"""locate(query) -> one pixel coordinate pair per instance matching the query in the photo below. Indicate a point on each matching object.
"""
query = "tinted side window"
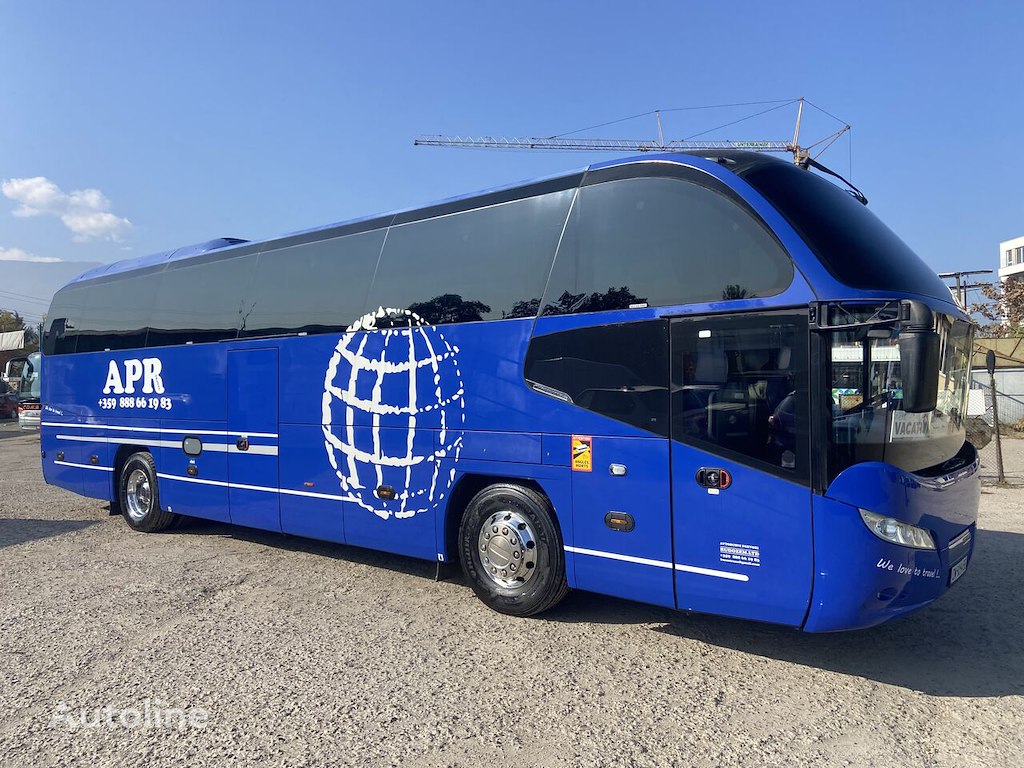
(316, 287)
(116, 314)
(739, 388)
(483, 264)
(60, 336)
(200, 302)
(619, 371)
(661, 241)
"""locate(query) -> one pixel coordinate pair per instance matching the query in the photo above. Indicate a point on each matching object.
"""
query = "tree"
(13, 321)
(1003, 308)
(450, 308)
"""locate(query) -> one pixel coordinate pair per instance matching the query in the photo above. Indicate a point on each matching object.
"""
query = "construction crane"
(801, 154)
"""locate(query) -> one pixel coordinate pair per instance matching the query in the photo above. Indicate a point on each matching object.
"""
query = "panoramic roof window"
(315, 287)
(199, 302)
(483, 264)
(661, 241)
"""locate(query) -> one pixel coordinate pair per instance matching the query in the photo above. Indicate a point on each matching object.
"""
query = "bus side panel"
(97, 483)
(206, 494)
(62, 453)
(378, 460)
(635, 564)
(495, 395)
(253, 424)
(745, 550)
(306, 480)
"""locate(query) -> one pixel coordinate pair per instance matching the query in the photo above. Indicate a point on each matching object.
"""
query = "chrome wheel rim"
(508, 549)
(138, 494)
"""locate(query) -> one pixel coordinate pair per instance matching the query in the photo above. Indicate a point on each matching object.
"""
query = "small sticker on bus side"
(582, 453)
(740, 554)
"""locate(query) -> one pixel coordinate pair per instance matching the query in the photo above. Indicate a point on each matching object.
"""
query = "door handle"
(242, 444)
(712, 477)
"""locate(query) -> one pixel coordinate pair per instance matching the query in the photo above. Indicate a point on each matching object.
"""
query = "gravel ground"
(286, 651)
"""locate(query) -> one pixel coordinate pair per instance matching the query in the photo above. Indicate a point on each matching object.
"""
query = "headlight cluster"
(896, 532)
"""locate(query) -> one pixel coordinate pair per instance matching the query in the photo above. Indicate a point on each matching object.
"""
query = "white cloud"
(16, 254)
(86, 212)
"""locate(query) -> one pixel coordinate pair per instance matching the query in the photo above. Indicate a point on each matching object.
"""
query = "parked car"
(8, 402)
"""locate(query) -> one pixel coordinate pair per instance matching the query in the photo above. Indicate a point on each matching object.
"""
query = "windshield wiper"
(810, 162)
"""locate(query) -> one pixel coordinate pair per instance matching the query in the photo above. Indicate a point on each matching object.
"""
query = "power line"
(21, 314)
(29, 299)
(25, 296)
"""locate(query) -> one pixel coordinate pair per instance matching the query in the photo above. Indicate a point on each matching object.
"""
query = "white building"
(1011, 258)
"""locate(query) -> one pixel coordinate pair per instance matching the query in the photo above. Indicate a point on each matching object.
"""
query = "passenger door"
(620, 538)
(252, 438)
(740, 465)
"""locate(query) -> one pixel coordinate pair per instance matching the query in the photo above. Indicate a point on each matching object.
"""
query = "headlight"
(895, 532)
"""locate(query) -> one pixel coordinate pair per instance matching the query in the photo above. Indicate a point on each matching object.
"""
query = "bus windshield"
(29, 388)
(868, 421)
(852, 243)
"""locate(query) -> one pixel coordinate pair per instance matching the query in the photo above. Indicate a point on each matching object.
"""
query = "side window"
(661, 241)
(116, 314)
(62, 320)
(619, 371)
(483, 264)
(739, 388)
(200, 302)
(317, 287)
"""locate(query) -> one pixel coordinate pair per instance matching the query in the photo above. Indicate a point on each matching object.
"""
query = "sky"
(129, 128)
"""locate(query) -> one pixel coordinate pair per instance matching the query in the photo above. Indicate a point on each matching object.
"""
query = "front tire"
(511, 550)
(139, 495)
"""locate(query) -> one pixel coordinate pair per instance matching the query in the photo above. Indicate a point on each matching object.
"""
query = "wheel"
(139, 496)
(511, 550)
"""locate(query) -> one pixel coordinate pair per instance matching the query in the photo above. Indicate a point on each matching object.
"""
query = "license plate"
(958, 570)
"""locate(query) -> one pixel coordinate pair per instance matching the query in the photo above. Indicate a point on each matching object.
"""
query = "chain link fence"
(981, 419)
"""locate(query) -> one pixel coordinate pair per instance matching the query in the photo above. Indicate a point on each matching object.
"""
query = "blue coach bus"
(710, 382)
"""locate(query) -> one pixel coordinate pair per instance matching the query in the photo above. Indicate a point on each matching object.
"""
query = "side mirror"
(919, 367)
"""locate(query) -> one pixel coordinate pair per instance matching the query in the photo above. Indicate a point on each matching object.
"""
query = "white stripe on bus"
(259, 450)
(659, 563)
(616, 556)
(712, 572)
(67, 424)
(84, 466)
(242, 486)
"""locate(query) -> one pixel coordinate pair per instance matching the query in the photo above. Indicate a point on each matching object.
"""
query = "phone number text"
(139, 403)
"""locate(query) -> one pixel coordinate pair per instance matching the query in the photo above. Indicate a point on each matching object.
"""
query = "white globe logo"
(410, 376)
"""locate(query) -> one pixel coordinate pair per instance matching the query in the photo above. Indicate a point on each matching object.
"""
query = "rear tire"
(139, 496)
(511, 550)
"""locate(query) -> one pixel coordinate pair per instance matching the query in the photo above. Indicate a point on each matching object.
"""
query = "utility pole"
(990, 364)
